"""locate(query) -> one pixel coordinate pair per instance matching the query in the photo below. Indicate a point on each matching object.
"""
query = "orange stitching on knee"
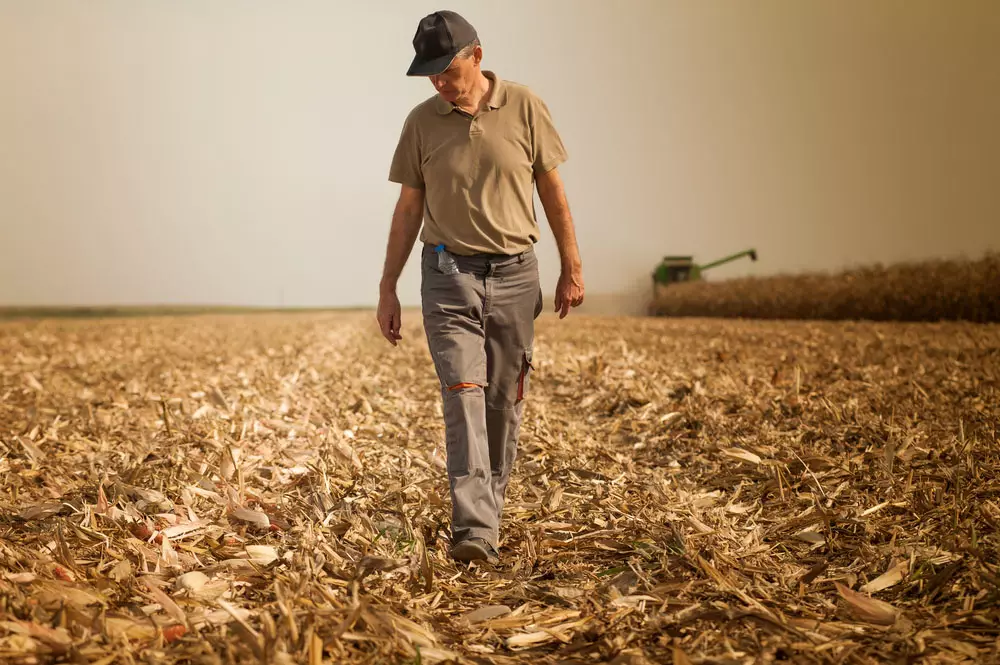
(459, 386)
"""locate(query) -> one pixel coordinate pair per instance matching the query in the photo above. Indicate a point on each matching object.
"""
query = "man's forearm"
(553, 197)
(406, 219)
(565, 235)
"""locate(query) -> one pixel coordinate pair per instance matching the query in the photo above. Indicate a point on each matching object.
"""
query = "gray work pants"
(480, 330)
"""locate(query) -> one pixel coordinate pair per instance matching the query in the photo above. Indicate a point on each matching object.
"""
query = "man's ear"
(477, 54)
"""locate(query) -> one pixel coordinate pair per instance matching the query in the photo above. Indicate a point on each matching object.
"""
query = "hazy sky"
(237, 152)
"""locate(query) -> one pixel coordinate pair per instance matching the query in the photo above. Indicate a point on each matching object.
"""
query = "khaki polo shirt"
(477, 172)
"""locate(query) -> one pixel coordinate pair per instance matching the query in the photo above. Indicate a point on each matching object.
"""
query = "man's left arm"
(569, 290)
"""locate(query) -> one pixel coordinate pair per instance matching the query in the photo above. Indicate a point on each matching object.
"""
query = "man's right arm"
(406, 220)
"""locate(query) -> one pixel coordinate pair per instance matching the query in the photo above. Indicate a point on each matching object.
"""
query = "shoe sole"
(467, 552)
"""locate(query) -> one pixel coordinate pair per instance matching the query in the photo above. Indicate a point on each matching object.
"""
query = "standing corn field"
(963, 290)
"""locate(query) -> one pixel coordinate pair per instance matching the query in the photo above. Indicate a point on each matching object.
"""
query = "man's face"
(457, 82)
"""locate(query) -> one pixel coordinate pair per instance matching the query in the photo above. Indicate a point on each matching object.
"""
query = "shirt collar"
(498, 96)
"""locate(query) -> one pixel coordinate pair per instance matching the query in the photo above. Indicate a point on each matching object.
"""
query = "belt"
(430, 248)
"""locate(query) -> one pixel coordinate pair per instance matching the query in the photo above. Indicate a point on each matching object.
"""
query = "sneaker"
(475, 549)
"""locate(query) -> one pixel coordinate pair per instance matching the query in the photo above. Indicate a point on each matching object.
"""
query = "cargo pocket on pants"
(523, 378)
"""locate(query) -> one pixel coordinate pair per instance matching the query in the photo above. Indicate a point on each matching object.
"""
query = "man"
(467, 161)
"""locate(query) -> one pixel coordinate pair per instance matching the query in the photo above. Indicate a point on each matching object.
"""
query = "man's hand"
(569, 291)
(389, 316)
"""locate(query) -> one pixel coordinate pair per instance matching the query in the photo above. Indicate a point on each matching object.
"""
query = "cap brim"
(430, 67)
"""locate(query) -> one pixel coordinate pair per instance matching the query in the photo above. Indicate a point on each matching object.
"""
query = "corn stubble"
(936, 290)
(272, 489)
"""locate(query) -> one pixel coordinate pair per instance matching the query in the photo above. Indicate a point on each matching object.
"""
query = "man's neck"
(480, 94)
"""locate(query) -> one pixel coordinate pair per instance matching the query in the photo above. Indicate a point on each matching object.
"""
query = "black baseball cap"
(439, 38)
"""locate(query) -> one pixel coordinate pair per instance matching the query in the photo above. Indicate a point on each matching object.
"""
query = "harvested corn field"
(934, 290)
(271, 488)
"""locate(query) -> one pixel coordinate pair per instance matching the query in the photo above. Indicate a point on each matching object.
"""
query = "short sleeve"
(405, 166)
(547, 147)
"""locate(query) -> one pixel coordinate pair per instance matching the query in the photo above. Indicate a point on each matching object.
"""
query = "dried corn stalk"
(272, 488)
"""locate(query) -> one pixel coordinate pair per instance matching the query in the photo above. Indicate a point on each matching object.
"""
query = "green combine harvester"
(683, 268)
(675, 269)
